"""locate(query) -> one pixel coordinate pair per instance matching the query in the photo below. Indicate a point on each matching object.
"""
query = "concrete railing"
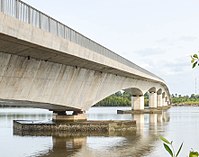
(28, 14)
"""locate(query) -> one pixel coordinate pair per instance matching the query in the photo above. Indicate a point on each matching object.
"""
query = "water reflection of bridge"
(125, 144)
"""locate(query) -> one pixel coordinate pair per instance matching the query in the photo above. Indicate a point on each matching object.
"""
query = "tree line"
(124, 99)
(186, 99)
(119, 99)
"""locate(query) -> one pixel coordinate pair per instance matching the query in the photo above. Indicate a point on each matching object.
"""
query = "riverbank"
(187, 104)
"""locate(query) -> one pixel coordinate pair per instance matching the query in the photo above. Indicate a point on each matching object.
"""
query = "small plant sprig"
(169, 147)
(194, 60)
(193, 154)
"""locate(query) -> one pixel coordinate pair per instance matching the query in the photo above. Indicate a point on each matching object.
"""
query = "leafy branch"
(194, 60)
(170, 149)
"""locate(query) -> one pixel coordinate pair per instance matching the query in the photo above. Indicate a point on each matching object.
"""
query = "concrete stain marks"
(24, 84)
(8, 81)
(52, 77)
(59, 85)
(72, 86)
(17, 75)
(41, 80)
(75, 85)
(4, 60)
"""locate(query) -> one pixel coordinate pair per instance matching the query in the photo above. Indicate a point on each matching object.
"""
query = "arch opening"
(152, 90)
(159, 91)
(134, 91)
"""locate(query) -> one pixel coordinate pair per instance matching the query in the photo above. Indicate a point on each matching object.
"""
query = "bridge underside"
(23, 103)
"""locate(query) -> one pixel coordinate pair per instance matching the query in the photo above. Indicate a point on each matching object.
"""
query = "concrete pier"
(77, 127)
(146, 110)
(64, 117)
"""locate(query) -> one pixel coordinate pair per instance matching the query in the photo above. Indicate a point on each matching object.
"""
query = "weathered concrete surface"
(86, 126)
(47, 71)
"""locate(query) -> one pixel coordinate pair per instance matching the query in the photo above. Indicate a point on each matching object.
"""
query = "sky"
(158, 35)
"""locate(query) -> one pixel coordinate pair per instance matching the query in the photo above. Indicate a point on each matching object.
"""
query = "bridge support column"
(62, 116)
(163, 102)
(159, 103)
(137, 102)
(152, 100)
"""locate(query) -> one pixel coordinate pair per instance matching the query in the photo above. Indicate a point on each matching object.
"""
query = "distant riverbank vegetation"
(119, 99)
(185, 100)
(124, 99)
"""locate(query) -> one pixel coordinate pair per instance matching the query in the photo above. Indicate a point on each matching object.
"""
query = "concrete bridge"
(45, 64)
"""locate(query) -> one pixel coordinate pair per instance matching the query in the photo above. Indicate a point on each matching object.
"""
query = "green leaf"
(164, 140)
(194, 64)
(195, 56)
(179, 150)
(192, 60)
(193, 154)
(168, 149)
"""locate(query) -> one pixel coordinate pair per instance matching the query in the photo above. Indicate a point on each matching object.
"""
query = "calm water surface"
(180, 124)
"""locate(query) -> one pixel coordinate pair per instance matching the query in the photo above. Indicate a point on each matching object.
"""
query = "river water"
(180, 124)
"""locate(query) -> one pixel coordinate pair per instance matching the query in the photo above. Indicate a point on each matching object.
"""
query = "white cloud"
(188, 38)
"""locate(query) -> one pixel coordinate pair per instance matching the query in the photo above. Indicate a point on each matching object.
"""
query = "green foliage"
(194, 60)
(120, 99)
(189, 100)
(164, 140)
(117, 99)
(169, 147)
(193, 154)
(124, 99)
